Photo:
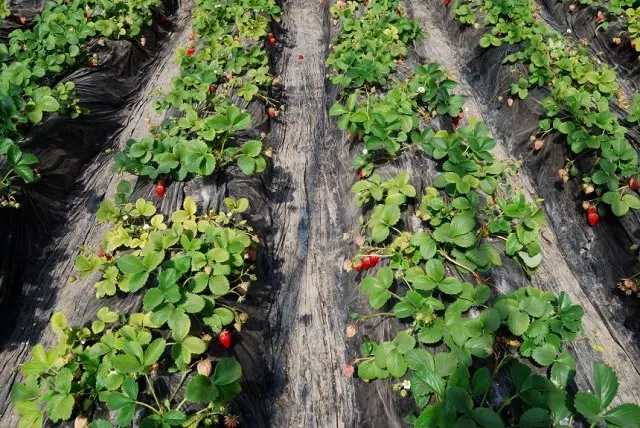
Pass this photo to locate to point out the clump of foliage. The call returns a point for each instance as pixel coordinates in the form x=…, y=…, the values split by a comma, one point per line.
x=582, y=90
x=57, y=43
x=225, y=57
x=459, y=338
x=189, y=272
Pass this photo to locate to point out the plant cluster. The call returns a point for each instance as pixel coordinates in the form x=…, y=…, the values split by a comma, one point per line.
x=372, y=42
x=226, y=56
x=189, y=273
x=4, y=9
x=458, y=340
x=579, y=105
x=33, y=58
x=625, y=12
x=387, y=122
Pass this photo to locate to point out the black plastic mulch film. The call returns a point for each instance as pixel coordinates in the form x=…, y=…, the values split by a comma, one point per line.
x=64, y=146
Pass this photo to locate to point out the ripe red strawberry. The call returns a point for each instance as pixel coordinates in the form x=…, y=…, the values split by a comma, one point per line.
x=300, y=56
x=252, y=254
x=373, y=260
x=592, y=218
x=224, y=338
x=446, y=2
x=272, y=112
x=456, y=120
x=634, y=184
x=212, y=89
x=361, y=173
x=100, y=253
x=366, y=263
x=191, y=51
x=271, y=39
x=359, y=267
x=163, y=19
x=160, y=189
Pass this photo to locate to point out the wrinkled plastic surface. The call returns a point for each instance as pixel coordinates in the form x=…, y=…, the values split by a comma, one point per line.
x=292, y=349
x=65, y=145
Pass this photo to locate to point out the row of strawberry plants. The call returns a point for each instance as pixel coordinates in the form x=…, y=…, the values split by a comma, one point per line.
x=467, y=209
x=579, y=106
x=226, y=57
x=189, y=271
x=624, y=12
x=33, y=58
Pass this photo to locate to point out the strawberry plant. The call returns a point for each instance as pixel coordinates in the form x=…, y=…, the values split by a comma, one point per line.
x=578, y=106
x=388, y=122
x=4, y=10
x=187, y=272
x=371, y=43
x=55, y=44
x=204, y=139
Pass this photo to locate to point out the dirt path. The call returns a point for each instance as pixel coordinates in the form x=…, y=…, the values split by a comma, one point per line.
x=310, y=204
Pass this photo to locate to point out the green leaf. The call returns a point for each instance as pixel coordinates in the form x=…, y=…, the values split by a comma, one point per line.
x=588, y=405
x=59, y=407
x=404, y=342
x=200, y=389
x=486, y=418
x=63, y=381
x=518, y=322
x=227, y=371
x=219, y=285
x=396, y=364
x=625, y=415
x=180, y=324
x=130, y=265
x=446, y=363
x=459, y=399
x=194, y=345
x=534, y=418
x=544, y=355
x=419, y=359
x=424, y=382
x=480, y=382
x=605, y=383
x=154, y=351
x=126, y=364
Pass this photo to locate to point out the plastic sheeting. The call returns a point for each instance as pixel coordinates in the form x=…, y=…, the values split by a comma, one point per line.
x=293, y=347
x=64, y=145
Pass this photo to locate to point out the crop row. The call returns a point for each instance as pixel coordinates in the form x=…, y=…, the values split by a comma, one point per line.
x=624, y=12
x=579, y=106
x=35, y=58
x=189, y=271
x=458, y=337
